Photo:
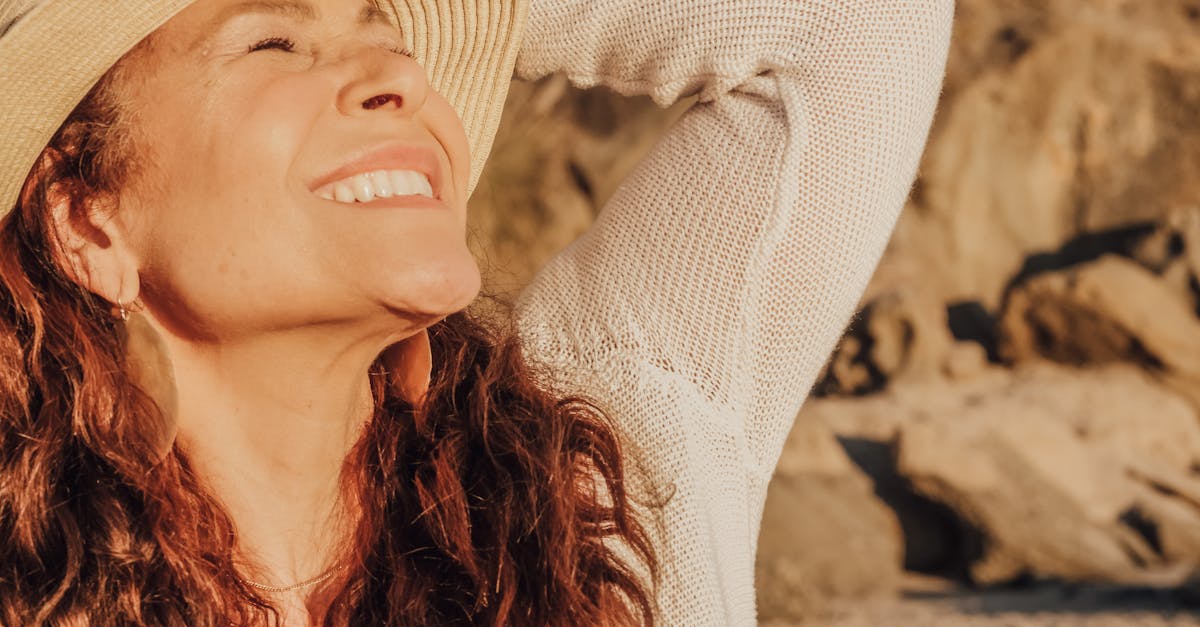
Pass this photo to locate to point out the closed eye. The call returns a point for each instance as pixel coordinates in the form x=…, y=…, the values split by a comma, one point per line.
x=287, y=45
x=274, y=43
x=400, y=50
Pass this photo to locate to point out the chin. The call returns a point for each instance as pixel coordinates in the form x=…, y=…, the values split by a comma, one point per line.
x=439, y=293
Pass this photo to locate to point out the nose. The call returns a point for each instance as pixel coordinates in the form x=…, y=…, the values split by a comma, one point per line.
x=382, y=81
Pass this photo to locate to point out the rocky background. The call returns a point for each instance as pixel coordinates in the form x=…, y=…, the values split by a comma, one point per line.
x=1011, y=425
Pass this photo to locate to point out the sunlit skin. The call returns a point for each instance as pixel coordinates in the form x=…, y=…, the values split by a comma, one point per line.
x=273, y=301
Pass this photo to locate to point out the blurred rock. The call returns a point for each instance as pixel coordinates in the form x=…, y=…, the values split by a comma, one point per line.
x=1175, y=524
x=1057, y=119
x=1048, y=465
x=1172, y=251
x=901, y=332
x=965, y=359
x=824, y=534
x=1108, y=310
x=935, y=538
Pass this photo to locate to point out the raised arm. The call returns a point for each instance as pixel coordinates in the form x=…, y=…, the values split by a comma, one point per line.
x=735, y=254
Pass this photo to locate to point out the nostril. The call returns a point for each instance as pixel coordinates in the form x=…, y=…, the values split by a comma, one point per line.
x=375, y=102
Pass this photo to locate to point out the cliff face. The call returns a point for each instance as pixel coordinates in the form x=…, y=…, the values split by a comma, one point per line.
x=1057, y=119
x=1022, y=384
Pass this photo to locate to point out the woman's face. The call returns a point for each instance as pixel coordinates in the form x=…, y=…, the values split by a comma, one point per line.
x=251, y=119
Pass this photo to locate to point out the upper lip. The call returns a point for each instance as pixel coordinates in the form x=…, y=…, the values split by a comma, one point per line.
x=394, y=156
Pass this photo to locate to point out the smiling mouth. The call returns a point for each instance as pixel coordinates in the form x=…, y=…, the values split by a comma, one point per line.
x=377, y=185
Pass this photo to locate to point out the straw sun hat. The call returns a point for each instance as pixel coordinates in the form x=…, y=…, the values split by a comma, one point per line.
x=53, y=51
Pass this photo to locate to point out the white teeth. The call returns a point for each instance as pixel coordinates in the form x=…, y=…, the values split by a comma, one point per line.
x=383, y=186
x=363, y=190
x=402, y=179
x=377, y=184
x=342, y=192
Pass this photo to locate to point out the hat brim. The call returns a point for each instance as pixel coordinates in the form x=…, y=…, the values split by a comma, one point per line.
x=56, y=52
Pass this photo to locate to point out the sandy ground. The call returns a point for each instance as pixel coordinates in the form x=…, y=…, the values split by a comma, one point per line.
x=1044, y=605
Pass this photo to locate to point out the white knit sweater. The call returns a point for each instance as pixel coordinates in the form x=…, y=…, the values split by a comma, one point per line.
x=702, y=303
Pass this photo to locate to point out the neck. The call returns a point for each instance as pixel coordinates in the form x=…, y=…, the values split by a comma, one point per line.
x=268, y=423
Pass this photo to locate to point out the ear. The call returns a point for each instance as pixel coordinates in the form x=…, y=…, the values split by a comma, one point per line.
x=92, y=244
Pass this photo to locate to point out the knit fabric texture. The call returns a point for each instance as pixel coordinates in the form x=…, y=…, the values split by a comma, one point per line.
x=701, y=305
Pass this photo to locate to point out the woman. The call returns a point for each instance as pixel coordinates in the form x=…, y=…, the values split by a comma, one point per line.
x=240, y=380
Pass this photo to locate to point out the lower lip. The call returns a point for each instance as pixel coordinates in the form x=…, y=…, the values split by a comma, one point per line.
x=397, y=202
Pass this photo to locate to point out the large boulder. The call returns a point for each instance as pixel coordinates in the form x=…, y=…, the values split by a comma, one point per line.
x=1080, y=474
x=824, y=534
x=901, y=333
x=1111, y=309
x=1058, y=119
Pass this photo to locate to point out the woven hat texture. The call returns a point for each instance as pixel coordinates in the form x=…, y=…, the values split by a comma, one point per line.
x=53, y=51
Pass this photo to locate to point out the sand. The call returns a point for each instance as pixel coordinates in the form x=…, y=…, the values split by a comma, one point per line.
x=928, y=602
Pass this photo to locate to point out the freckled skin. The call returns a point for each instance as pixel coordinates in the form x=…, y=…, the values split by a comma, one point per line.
x=271, y=302
x=235, y=242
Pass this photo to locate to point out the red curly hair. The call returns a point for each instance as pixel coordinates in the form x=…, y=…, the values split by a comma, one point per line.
x=500, y=502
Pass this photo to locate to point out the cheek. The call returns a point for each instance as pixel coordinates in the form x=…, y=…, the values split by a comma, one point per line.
x=256, y=134
x=222, y=144
x=448, y=129
x=228, y=239
x=216, y=232
x=230, y=183
x=220, y=263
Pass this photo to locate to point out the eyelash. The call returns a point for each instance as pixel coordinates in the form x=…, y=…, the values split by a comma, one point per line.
x=278, y=43
x=287, y=45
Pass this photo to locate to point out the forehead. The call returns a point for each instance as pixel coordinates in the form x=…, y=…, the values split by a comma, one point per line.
x=204, y=18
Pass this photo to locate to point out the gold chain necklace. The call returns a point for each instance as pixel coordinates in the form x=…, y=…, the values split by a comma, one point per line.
x=296, y=586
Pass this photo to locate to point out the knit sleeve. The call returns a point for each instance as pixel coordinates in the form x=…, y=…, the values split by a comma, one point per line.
x=713, y=285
